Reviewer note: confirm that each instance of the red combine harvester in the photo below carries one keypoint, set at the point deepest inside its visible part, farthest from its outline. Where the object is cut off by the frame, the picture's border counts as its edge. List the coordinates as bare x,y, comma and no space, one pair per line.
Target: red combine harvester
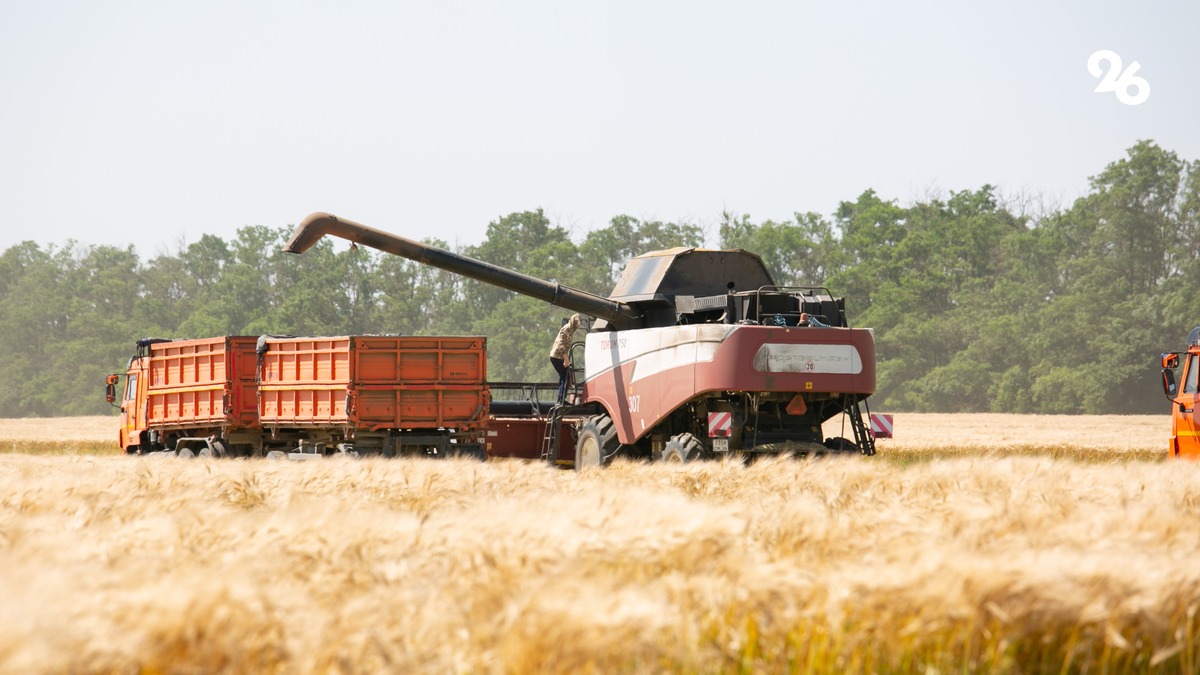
695,354
1185,401
305,397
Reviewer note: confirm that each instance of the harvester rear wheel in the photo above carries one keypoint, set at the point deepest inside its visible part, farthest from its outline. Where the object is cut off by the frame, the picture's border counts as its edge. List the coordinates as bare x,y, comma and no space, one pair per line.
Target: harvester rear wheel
844,445
596,443
680,449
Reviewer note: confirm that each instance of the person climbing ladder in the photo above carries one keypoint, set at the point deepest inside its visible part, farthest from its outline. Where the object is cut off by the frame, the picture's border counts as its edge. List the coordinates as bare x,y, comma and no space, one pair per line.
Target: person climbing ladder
560,353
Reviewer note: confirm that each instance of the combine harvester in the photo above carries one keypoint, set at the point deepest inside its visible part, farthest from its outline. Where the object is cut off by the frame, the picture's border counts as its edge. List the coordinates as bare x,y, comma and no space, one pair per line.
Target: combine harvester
695,354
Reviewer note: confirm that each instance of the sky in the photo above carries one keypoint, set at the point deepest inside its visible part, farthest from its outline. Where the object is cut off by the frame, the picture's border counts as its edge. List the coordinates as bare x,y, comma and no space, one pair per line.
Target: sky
153,123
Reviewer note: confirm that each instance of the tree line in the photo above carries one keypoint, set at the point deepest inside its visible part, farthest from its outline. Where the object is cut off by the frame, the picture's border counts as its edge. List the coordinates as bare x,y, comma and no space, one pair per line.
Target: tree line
979,302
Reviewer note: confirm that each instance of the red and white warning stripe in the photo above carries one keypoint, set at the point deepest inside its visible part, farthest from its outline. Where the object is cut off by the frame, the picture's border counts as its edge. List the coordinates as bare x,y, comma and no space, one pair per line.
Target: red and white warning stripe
720,424
881,426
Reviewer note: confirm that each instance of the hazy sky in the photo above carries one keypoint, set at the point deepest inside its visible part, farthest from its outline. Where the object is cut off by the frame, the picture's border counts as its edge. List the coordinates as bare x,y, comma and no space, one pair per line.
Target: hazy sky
148,123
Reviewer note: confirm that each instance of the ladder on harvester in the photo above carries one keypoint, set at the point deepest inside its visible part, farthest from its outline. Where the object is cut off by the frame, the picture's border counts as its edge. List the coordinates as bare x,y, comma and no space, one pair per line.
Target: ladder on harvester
863,438
551,439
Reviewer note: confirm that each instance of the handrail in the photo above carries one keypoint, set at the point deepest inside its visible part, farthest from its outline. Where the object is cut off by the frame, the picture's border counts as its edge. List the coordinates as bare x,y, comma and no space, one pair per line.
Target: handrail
758,294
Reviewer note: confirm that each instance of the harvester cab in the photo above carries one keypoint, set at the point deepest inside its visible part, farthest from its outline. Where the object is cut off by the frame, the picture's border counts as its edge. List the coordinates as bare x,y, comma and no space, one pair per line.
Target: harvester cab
1184,396
695,354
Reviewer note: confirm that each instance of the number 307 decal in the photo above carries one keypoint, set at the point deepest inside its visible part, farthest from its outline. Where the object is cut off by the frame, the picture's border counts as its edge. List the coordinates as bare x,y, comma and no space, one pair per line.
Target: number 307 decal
635,402
1121,84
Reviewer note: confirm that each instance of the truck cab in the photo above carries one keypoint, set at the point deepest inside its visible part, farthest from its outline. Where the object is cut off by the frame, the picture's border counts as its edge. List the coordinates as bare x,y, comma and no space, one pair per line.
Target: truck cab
132,436
1184,396
133,398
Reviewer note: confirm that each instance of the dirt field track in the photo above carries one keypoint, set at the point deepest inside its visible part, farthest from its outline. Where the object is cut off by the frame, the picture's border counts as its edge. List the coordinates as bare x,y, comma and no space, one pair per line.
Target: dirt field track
987,564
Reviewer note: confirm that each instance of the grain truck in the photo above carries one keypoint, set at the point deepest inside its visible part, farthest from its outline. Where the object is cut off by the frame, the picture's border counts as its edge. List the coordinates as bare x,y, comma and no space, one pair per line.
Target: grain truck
305,397
694,354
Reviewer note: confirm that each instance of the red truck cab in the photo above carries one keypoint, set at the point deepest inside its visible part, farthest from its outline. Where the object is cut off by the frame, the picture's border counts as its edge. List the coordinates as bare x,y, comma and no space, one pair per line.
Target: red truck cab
1185,397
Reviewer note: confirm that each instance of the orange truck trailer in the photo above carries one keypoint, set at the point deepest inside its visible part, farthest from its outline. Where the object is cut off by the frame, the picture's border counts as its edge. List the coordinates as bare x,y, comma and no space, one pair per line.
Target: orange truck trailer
305,397
1185,400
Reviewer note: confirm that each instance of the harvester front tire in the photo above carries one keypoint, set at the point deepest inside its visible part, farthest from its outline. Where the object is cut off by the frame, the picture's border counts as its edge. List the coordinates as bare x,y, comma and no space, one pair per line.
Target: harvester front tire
680,449
596,443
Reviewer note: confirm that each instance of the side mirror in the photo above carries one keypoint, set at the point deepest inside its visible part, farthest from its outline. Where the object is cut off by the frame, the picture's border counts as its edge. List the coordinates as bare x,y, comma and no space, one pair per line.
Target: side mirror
1168,382
1170,360
110,388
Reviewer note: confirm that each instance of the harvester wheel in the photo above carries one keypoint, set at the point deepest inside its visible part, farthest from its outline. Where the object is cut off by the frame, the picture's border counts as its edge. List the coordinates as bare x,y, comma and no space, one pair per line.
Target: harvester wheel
596,443
842,445
680,449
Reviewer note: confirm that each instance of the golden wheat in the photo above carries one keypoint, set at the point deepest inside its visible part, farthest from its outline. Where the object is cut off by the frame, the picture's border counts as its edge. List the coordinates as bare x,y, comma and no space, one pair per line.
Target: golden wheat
919,436
120,564
992,430
95,428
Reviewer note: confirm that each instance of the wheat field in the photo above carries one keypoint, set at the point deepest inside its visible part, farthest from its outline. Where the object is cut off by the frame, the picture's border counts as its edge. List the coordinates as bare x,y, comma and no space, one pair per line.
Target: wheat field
1011,563
919,436
92,435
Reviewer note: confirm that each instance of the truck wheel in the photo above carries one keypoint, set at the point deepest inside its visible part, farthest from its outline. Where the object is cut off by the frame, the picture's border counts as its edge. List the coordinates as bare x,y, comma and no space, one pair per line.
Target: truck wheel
276,455
680,449
212,451
185,453
596,443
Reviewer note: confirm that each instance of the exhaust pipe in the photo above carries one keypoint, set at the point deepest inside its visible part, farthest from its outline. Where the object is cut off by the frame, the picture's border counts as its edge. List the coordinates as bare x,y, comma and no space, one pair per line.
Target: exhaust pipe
619,314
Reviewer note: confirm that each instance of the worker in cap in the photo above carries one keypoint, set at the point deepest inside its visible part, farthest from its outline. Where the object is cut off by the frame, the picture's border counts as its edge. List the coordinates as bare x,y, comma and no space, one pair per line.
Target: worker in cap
560,353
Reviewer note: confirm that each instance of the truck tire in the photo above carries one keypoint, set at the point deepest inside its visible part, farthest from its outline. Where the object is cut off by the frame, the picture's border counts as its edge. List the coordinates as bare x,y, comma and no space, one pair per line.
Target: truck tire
185,453
212,451
680,449
276,455
597,442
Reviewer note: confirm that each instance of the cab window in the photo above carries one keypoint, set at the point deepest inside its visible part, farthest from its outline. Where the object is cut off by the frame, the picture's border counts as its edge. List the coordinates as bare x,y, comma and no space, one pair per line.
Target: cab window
1189,386
131,387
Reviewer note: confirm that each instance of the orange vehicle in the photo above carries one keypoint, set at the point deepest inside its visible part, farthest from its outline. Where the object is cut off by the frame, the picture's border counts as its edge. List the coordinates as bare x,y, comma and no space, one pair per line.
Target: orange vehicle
1185,400
305,397
193,395
385,395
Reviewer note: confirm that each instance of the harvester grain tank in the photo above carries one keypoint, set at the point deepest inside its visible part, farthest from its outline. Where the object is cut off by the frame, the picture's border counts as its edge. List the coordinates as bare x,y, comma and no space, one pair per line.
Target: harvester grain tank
695,354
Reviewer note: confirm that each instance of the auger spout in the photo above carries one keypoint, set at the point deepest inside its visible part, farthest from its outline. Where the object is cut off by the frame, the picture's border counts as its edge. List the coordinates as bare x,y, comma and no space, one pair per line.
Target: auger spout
619,314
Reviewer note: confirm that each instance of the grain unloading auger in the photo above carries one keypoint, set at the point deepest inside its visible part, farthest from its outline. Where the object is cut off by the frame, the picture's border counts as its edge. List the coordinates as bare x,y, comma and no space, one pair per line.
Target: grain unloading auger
695,354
